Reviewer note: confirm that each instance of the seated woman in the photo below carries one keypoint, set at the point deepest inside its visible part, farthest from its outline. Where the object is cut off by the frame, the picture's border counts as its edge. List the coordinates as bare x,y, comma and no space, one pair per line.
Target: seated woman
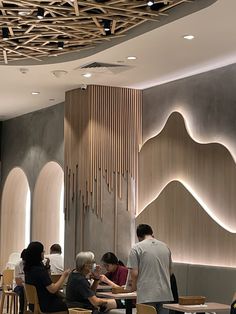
36,274
79,293
116,271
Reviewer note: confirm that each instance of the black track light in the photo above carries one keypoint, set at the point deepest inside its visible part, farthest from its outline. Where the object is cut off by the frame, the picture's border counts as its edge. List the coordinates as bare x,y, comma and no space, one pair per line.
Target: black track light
40,13
60,45
5,33
107,25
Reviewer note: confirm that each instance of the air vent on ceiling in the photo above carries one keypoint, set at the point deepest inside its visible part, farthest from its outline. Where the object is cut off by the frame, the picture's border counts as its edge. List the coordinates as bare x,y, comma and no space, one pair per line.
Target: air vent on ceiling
101,67
93,65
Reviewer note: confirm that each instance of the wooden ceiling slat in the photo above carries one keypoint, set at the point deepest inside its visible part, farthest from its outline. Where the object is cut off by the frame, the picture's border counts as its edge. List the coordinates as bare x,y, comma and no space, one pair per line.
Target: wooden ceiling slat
80,24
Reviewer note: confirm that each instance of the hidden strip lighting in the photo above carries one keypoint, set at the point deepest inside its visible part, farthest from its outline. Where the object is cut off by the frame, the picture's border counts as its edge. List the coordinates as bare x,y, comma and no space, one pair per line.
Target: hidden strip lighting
199,200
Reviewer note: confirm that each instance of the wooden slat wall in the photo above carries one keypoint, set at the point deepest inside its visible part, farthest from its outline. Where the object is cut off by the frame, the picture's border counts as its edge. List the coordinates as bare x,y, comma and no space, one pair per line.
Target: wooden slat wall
102,137
209,172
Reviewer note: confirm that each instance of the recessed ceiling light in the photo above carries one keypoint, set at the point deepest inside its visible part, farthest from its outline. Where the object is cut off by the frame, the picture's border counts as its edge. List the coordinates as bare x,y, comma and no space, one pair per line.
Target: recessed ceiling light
87,75
188,37
35,93
131,58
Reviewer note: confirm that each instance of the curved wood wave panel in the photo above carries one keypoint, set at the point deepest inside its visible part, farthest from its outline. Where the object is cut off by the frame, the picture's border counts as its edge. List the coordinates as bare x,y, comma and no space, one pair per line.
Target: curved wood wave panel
208,169
193,237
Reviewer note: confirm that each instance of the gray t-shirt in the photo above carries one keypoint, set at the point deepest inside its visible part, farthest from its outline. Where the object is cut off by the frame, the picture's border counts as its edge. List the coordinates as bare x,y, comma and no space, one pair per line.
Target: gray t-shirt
153,260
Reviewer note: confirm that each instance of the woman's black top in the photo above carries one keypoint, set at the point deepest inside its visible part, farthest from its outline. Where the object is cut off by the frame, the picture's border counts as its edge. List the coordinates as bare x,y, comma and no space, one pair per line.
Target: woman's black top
48,302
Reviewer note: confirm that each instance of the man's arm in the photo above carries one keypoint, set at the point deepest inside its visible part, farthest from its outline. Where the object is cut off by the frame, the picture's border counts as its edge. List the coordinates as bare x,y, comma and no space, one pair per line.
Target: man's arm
134,278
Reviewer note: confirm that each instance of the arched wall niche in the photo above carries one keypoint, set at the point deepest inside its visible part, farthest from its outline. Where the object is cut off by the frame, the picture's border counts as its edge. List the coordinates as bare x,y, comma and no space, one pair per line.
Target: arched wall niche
15,214
47,213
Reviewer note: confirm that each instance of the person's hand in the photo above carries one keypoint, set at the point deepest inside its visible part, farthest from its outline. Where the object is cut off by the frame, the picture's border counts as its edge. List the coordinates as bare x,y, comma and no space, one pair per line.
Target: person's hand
96,273
66,273
103,278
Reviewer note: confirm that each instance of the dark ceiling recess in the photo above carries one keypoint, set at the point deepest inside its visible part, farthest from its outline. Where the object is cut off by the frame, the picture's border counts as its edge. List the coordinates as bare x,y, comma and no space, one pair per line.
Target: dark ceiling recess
33,25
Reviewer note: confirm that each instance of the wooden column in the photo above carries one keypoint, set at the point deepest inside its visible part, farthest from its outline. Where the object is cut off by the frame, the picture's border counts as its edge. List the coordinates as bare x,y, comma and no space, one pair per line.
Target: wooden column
102,137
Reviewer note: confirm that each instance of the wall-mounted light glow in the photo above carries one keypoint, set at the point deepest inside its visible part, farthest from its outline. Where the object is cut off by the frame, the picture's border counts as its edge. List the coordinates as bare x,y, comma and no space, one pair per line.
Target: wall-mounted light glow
35,93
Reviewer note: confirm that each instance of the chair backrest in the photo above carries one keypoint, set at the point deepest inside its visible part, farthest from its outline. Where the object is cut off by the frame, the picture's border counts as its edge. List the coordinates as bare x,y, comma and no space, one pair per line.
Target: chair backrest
32,297
145,309
7,277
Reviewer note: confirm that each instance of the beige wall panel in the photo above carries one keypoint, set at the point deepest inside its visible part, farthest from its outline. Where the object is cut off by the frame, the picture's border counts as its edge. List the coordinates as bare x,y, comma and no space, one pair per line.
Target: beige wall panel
207,170
14,227
46,205
193,237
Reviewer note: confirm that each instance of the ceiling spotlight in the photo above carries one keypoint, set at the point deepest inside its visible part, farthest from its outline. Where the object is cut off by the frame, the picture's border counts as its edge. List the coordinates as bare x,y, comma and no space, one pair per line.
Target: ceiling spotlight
60,45
40,13
107,25
35,93
189,37
88,75
5,33
150,3
131,58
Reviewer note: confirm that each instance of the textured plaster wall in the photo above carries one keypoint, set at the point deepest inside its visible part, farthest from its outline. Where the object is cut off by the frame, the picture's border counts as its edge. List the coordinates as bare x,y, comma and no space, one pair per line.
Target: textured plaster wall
206,100
32,140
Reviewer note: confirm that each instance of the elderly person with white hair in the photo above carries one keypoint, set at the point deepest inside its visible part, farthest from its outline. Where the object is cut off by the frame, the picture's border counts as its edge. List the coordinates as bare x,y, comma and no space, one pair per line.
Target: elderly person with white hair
79,292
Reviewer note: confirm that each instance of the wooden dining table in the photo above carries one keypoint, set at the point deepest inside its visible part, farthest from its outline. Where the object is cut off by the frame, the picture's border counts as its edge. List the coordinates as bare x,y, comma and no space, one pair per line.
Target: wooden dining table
210,307
128,297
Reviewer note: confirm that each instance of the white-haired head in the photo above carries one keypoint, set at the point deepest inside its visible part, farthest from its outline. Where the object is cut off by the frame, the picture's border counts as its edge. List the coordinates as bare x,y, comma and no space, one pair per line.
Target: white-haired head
83,258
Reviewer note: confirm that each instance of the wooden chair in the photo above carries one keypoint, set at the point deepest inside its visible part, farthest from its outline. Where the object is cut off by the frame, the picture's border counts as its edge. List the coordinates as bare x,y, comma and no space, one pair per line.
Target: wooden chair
145,309
8,293
32,297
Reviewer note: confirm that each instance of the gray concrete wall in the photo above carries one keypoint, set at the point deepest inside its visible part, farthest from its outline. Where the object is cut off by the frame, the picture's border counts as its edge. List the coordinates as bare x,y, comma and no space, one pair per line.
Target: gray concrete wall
32,140
208,100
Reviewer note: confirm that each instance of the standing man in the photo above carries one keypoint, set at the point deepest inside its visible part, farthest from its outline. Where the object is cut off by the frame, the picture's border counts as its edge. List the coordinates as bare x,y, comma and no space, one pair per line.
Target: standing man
150,264
56,259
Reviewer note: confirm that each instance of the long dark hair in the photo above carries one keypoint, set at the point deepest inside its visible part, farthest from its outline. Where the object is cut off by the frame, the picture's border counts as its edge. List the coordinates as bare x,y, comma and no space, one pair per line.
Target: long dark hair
33,255
111,258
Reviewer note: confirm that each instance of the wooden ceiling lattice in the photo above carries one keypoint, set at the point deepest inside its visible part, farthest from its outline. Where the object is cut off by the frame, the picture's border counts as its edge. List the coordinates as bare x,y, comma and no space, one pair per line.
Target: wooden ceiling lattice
71,25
